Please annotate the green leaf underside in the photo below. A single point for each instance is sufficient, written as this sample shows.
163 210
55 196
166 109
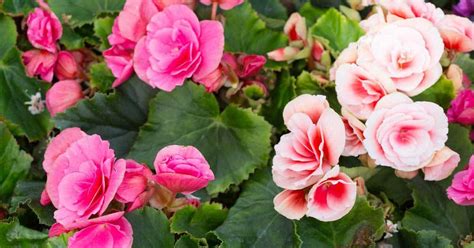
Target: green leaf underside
150 228
361 227
116 117
82 12
253 222
235 142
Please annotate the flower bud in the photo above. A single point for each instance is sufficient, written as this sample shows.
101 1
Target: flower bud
63 95
66 66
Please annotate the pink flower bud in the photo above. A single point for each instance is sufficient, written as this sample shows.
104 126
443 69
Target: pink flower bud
134 186
295 27
44 29
66 66
63 95
317 51
223 4
250 65
456 75
462 108
39 63
284 54
182 169
213 81
442 165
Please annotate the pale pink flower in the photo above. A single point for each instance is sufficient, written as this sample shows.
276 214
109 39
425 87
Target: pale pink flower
182 169
457 33
347 56
134 187
461 190
406 174
406 9
315 143
66 66
223 4
284 54
44 29
456 75
162 4
403 134
40 63
354 135
332 197
442 165
291 203
177 46
63 95
76 168
462 108
295 28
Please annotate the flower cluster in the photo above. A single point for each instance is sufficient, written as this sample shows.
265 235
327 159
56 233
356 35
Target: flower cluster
91 189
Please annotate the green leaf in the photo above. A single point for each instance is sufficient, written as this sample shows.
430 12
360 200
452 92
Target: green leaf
422 239
198 221
78 13
442 92
311 13
467 65
246 32
234 142
18 7
253 222
14 163
337 29
307 84
270 8
385 181
116 117
12 234
101 77
187 241
16 89
102 29
360 228
458 141
70 39
283 93
150 228
434 211
8 41
29 193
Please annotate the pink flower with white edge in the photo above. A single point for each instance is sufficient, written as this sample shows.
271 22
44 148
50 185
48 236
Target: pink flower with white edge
177 46
461 190
457 33
295 28
332 197
66 66
403 134
284 54
442 165
314 144
63 95
182 169
44 29
354 135
77 165
134 188
40 63
347 56
407 51
223 4
291 203
406 9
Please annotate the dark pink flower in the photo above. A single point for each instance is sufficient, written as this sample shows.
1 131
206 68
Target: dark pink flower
44 29
461 190
462 108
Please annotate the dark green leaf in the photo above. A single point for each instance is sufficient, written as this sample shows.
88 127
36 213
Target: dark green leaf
29 193
12 234
270 8
385 181
421 239
116 117
441 93
337 29
458 141
18 7
150 228
360 228
70 39
8 27
78 13
234 142
14 163
307 84
311 13
198 221
101 77
283 93
253 222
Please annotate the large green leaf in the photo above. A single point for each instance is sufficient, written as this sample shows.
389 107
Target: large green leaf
253 222
9 34
337 29
14 163
78 13
434 211
360 228
234 142
386 182
116 117
246 32
441 93
150 228
18 7
12 234
29 193
270 8
198 221
420 239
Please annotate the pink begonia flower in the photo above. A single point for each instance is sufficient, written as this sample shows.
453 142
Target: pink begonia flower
406 9
63 95
110 234
359 90
66 66
317 50
457 33
133 19
284 54
177 46
442 165
374 22
44 29
134 186
295 28
291 203
462 108
162 4
407 51
250 65
332 197
354 135
76 166
314 144
41 63
403 134
182 169
223 4
347 56
214 80
461 190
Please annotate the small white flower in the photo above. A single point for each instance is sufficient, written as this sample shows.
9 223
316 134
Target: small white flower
36 105
390 229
